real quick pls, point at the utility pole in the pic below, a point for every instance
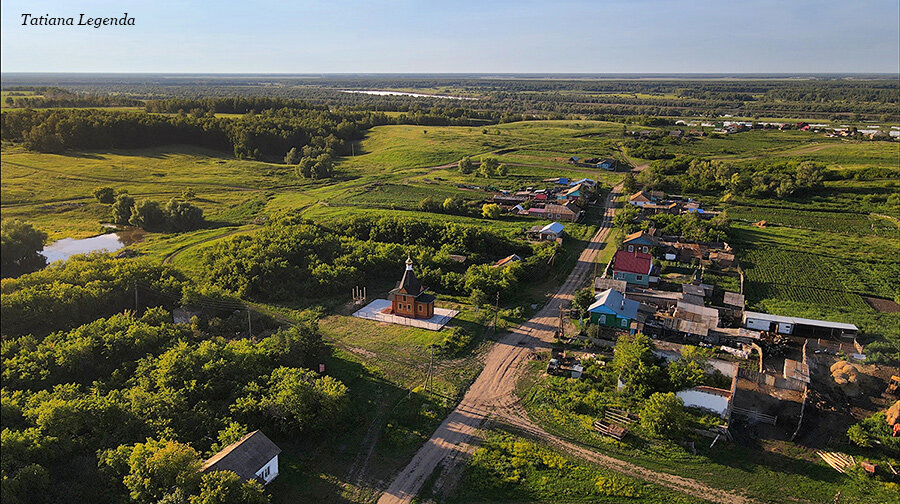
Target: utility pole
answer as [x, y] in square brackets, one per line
[429, 381]
[496, 311]
[135, 297]
[249, 327]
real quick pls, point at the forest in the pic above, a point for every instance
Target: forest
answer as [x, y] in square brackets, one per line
[824, 97]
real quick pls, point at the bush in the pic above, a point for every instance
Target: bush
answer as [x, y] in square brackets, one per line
[490, 211]
[105, 195]
[20, 247]
[663, 415]
[455, 340]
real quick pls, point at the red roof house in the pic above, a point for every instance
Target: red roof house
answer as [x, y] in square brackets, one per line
[633, 267]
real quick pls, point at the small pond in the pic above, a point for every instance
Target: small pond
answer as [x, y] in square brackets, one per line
[61, 250]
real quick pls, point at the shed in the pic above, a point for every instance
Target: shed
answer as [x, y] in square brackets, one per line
[734, 299]
[507, 260]
[709, 398]
[603, 283]
[552, 231]
[799, 326]
[254, 456]
[693, 290]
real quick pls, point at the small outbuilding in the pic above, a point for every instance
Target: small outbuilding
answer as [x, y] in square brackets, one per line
[254, 456]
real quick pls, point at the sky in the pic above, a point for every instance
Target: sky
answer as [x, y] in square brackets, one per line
[418, 36]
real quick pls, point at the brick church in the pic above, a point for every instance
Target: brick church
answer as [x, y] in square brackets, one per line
[409, 298]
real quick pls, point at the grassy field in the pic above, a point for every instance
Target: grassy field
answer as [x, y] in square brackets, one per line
[509, 468]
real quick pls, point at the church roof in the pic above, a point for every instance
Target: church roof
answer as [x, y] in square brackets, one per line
[409, 284]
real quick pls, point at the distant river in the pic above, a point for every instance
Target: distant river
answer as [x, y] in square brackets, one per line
[61, 250]
[401, 93]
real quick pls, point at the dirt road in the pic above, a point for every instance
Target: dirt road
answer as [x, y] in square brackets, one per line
[494, 387]
[493, 394]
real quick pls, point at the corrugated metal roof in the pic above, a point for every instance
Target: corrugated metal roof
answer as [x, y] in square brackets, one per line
[245, 456]
[553, 227]
[734, 299]
[616, 302]
[799, 320]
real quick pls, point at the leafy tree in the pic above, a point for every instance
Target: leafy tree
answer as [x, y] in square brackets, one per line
[502, 170]
[582, 300]
[183, 216]
[120, 212]
[295, 399]
[690, 370]
[105, 195]
[20, 246]
[147, 214]
[292, 157]
[874, 429]
[490, 211]
[466, 166]
[638, 368]
[451, 205]
[488, 167]
[478, 297]
[429, 205]
[625, 217]
[152, 469]
[663, 415]
[226, 487]
[629, 184]
[188, 193]
[809, 175]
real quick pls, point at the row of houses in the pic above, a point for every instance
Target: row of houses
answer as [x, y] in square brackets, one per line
[561, 201]
[657, 202]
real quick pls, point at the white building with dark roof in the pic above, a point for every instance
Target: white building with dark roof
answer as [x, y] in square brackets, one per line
[254, 456]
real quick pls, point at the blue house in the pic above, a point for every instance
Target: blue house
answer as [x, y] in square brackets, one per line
[639, 242]
[607, 164]
[612, 309]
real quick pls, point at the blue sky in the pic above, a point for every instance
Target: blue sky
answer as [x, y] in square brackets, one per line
[633, 36]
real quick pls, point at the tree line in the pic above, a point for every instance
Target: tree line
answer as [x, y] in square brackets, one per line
[266, 136]
[291, 258]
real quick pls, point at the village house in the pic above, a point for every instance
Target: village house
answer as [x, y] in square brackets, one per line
[550, 232]
[640, 198]
[613, 309]
[507, 260]
[409, 298]
[254, 456]
[607, 164]
[640, 241]
[568, 212]
[633, 267]
[571, 194]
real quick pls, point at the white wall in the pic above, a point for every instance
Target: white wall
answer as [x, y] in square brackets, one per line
[759, 325]
[706, 400]
[272, 465]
